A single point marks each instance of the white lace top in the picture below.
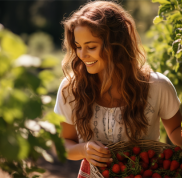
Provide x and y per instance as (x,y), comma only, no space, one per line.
(107,123)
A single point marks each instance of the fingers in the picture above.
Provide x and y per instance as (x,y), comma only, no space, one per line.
(97,153)
(94,152)
(99,147)
(95,163)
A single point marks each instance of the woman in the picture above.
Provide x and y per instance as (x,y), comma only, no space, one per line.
(109,94)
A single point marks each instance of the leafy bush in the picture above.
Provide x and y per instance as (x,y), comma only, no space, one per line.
(165,51)
(28,126)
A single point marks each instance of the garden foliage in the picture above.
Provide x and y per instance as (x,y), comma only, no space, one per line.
(165,51)
(28,127)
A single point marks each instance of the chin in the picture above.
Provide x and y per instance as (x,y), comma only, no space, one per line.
(92,72)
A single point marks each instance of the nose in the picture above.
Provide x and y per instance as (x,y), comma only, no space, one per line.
(83,54)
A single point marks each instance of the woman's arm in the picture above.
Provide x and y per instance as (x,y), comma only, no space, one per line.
(94,152)
(173,128)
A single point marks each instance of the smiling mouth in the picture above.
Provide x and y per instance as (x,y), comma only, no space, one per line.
(89,63)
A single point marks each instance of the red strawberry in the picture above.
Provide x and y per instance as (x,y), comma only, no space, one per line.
(123,168)
(116,168)
(133,158)
(154,166)
(120,157)
(136,150)
(177,148)
(168,153)
(174,165)
(166,176)
(144,165)
(138,176)
(102,168)
(151,153)
(105,173)
(156,175)
(161,155)
(144,157)
(126,153)
(147,173)
(131,176)
(166,164)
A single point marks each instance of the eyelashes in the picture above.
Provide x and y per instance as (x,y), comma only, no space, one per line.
(88,48)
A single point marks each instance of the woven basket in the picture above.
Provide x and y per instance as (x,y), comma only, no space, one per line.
(157,146)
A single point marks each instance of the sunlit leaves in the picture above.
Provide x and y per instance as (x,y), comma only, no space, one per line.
(157,19)
(22,132)
(166,55)
(49,61)
(162,1)
(12,45)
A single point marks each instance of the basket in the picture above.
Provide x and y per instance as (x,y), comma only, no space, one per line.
(157,146)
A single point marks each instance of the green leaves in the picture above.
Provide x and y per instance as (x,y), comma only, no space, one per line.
(23,132)
(157,19)
(12,45)
(162,1)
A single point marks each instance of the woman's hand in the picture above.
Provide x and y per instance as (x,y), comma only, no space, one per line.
(96,153)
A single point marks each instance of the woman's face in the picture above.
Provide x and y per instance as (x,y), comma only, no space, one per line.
(88,50)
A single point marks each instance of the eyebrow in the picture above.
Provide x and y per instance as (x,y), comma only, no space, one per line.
(88,42)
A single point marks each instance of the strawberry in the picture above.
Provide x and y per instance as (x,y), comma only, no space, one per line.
(126,153)
(154,166)
(138,176)
(116,168)
(105,173)
(174,165)
(136,150)
(156,175)
(166,164)
(168,153)
(144,165)
(123,168)
(133,158)
(144,157)
(102,168)
(161,155)
(177,148)
(151,153)
(119,156)
(131,176)
(147,173)
(166,176)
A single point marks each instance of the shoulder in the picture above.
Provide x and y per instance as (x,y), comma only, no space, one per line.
(160,80)
(156,77)
(65,88)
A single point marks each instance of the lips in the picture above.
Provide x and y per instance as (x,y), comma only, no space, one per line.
(89,63)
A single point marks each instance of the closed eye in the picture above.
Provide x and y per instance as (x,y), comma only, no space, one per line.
(92,48)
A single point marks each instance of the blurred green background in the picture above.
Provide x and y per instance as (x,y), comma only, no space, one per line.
(30,68)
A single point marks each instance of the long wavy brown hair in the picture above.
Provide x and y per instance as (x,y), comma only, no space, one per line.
(126,61)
